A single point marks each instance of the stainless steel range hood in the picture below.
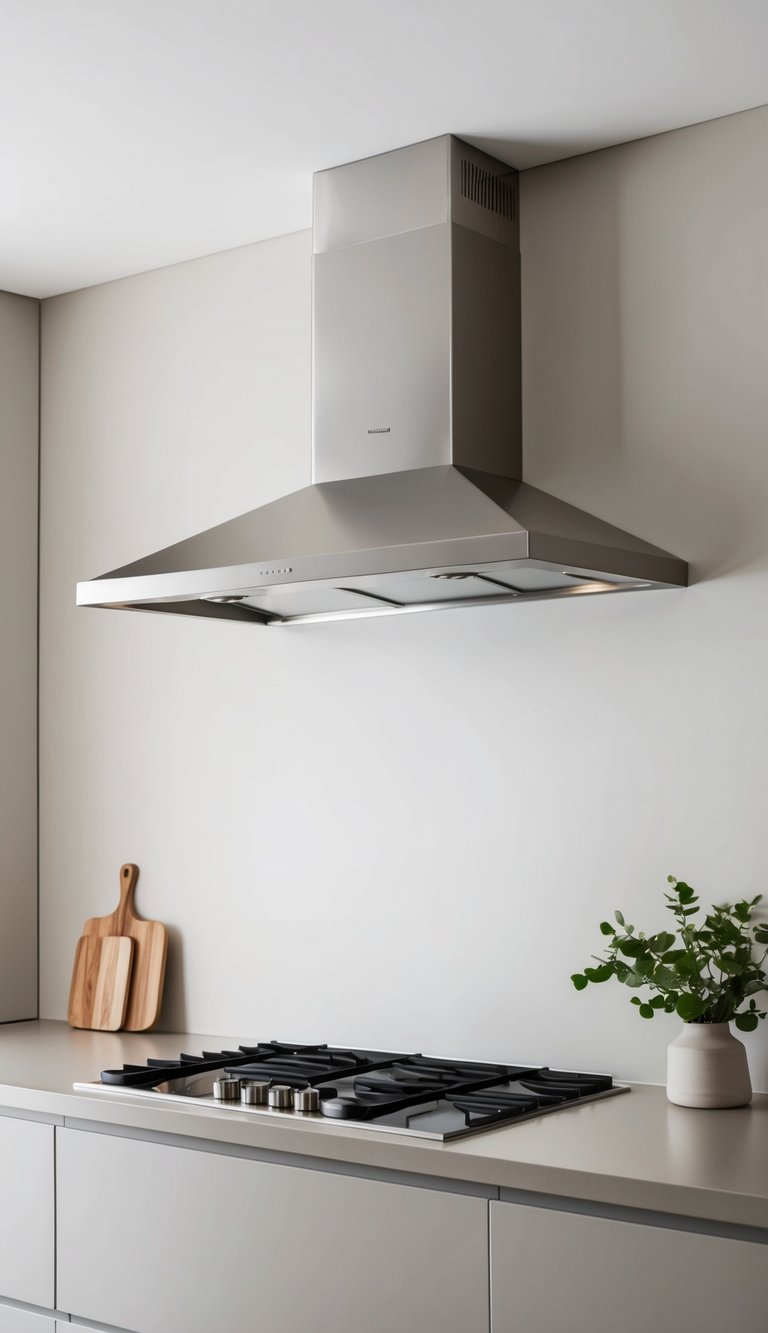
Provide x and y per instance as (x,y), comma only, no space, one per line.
(417,501)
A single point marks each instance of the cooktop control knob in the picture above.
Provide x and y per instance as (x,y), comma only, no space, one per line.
(226,1089)
(253,1093)
(342,1108)
(306,1099)
(281,1097)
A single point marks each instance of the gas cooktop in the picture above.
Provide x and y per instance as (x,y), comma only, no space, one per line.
(400,1093)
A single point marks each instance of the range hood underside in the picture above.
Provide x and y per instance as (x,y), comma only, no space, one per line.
(426,539)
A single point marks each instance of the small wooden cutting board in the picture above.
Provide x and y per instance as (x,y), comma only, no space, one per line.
(148,941)
(98,995)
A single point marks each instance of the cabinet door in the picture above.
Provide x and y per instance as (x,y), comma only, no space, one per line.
(154,1238)
(569,1273)
(19,388)
(26,1215)
(13,1320)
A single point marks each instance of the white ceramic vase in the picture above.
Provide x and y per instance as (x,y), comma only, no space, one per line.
(707,1067)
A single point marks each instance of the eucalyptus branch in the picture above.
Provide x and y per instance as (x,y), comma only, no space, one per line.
(680,968)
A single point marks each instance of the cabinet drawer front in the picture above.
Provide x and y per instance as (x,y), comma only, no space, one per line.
(26,1218)
(153,1237)
(557,1272)
(23,1321)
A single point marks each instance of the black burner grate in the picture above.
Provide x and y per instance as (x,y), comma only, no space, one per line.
(411,1092)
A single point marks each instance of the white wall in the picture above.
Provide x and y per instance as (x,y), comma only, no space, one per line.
(19,346)
(406,831)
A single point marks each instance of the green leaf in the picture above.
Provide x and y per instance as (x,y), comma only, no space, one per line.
(665,978)
(728,964)
(635,1000)
(606,928)
(619,918)
(645,965)
(631,948)
(658,1002)
(602,973)
(686,967)
(661,943)
(690,1007)
(646,1011)
(746,1022)
(579,981)
(684,892)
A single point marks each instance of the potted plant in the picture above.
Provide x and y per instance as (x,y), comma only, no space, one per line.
(708,973)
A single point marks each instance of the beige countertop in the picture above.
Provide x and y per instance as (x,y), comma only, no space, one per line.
(634,1150)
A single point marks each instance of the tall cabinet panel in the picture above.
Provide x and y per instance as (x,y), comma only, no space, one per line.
(19,354)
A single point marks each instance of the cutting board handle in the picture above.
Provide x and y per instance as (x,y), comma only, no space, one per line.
(129,874)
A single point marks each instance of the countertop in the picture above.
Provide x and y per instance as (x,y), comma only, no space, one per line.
(633,1150)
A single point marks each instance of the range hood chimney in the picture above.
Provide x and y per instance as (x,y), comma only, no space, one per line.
(417,500)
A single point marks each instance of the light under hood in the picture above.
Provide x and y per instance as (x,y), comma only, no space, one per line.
(417,501)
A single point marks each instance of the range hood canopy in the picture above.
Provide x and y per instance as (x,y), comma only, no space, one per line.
(417,501)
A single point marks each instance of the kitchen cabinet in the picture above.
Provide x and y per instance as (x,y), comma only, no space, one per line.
(69,1325)
(14,1320)
(154,1237)
(27,1214)
(19,339)
(566,1272)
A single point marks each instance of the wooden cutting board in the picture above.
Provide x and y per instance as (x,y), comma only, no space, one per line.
(98,995)
(150,947)
(150,944)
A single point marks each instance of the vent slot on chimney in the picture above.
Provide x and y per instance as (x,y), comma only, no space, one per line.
(496,193)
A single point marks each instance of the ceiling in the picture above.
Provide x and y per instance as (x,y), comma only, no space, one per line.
(137,133)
